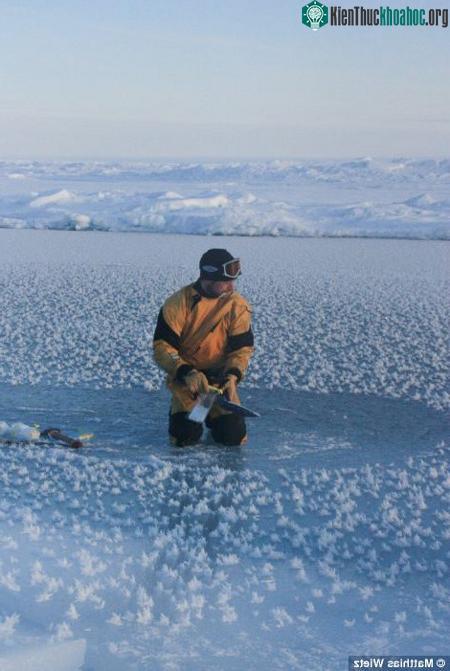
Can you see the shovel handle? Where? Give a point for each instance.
(215, 390)
(56, 434)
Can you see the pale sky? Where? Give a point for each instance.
(216, 79)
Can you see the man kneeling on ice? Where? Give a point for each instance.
(204, 337)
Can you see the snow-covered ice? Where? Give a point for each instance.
(327, 536)
(399, 198)
(68, 656)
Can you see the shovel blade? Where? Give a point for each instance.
(237, 409)
(201, 409)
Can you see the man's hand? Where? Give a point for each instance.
(229, 387)
(196, 382)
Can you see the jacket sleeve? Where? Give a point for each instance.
(240, 342)
(166, 339)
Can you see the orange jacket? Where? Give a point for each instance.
(226, 348)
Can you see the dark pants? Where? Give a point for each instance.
(225, 429)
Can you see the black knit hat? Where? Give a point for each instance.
(212, 265)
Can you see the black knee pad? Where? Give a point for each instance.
(228, 429)
(185, 431)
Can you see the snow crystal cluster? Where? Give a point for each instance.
(174, 557)
(347, 316)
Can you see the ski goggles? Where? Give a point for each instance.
(229, 270)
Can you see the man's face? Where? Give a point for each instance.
(217, 288)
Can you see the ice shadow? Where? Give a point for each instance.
(361, 427)
(292, 424)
